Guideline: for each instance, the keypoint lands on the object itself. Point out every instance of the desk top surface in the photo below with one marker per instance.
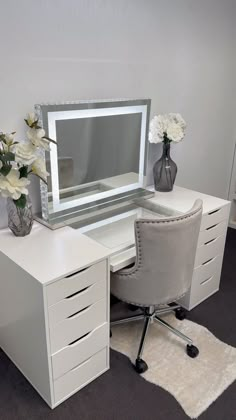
(49, 255)
(182, 199)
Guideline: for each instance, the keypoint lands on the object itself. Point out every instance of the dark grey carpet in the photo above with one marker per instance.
(121, 393)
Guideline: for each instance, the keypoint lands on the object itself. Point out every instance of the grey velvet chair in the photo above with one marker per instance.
(162, 273)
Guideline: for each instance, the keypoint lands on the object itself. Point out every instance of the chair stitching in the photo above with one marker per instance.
(139, 247)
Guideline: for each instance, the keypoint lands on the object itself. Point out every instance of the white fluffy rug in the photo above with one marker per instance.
(195, 383)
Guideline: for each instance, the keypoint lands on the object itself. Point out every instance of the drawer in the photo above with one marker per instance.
(75, 282)
(77, 325)
(80, 376)
(205, 271)
(214, 217)
(206, 289)
(212, 232)
(75, 354)
(209, 250)
(75, 303)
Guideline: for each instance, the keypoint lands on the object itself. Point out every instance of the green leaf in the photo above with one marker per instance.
(5, 169)
(8, 157)
(21, 202)
(23, 172)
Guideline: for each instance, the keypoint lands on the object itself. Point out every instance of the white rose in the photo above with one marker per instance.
(174, 132)
(169, 125)
(35, 135)
(39, 169)
(179, 120)
(25, 154)
(12, 185)
(156, 132)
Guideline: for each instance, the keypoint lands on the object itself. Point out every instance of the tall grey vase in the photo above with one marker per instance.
(20, 221)
(164, 171)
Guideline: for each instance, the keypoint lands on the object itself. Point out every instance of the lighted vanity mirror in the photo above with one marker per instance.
(100, 152)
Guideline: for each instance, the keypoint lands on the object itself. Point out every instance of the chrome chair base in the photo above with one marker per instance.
(150, 315)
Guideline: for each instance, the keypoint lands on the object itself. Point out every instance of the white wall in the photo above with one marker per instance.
(179, 53)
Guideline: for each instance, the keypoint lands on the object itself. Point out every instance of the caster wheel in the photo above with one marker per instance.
(110, 333)
(180, 313)
(192, 351)
(140, 366)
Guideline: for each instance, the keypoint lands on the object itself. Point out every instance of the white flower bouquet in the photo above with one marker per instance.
(167, 128)
(19, 160)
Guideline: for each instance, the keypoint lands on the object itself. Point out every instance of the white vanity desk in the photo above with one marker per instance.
(54, 293)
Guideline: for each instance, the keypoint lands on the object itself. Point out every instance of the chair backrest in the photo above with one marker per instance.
(164, 264)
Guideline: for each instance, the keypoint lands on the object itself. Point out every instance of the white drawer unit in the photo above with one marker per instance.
(75, 326)
(215, 216)
(76, 378)
(77, 302)
(210, 250)
(78, 317)
(205, 282)
(75, 282)
(209, 257)
(205, 271)
(206, 289)
(212, 232)
(56, 327)
(79, 351)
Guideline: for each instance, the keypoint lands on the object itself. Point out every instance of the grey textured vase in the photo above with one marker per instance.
(164, 171)
(20, 221)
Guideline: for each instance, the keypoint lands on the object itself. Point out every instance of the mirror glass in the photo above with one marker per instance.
(100, 151)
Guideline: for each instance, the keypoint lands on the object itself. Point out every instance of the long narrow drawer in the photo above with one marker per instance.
(74, 327)
(77, 302)
(204, 272)
(75, 354)
(214, 217)
(209, 250)
(80, 376)
(212, 232)
(75, 282)
(206, 289)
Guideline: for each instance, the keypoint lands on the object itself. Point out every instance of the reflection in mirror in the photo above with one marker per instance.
(100, 151)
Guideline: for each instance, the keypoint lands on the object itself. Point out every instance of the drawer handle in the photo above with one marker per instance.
(78, 293)
(77, 272)
(212, 240)
(84, 336)
(81, 364)
(205, 281)
(78, 339)
(77, 313)
(214, 211)
(208, 261)
(212, 227)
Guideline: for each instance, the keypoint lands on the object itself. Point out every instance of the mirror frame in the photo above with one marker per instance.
(87, 109)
